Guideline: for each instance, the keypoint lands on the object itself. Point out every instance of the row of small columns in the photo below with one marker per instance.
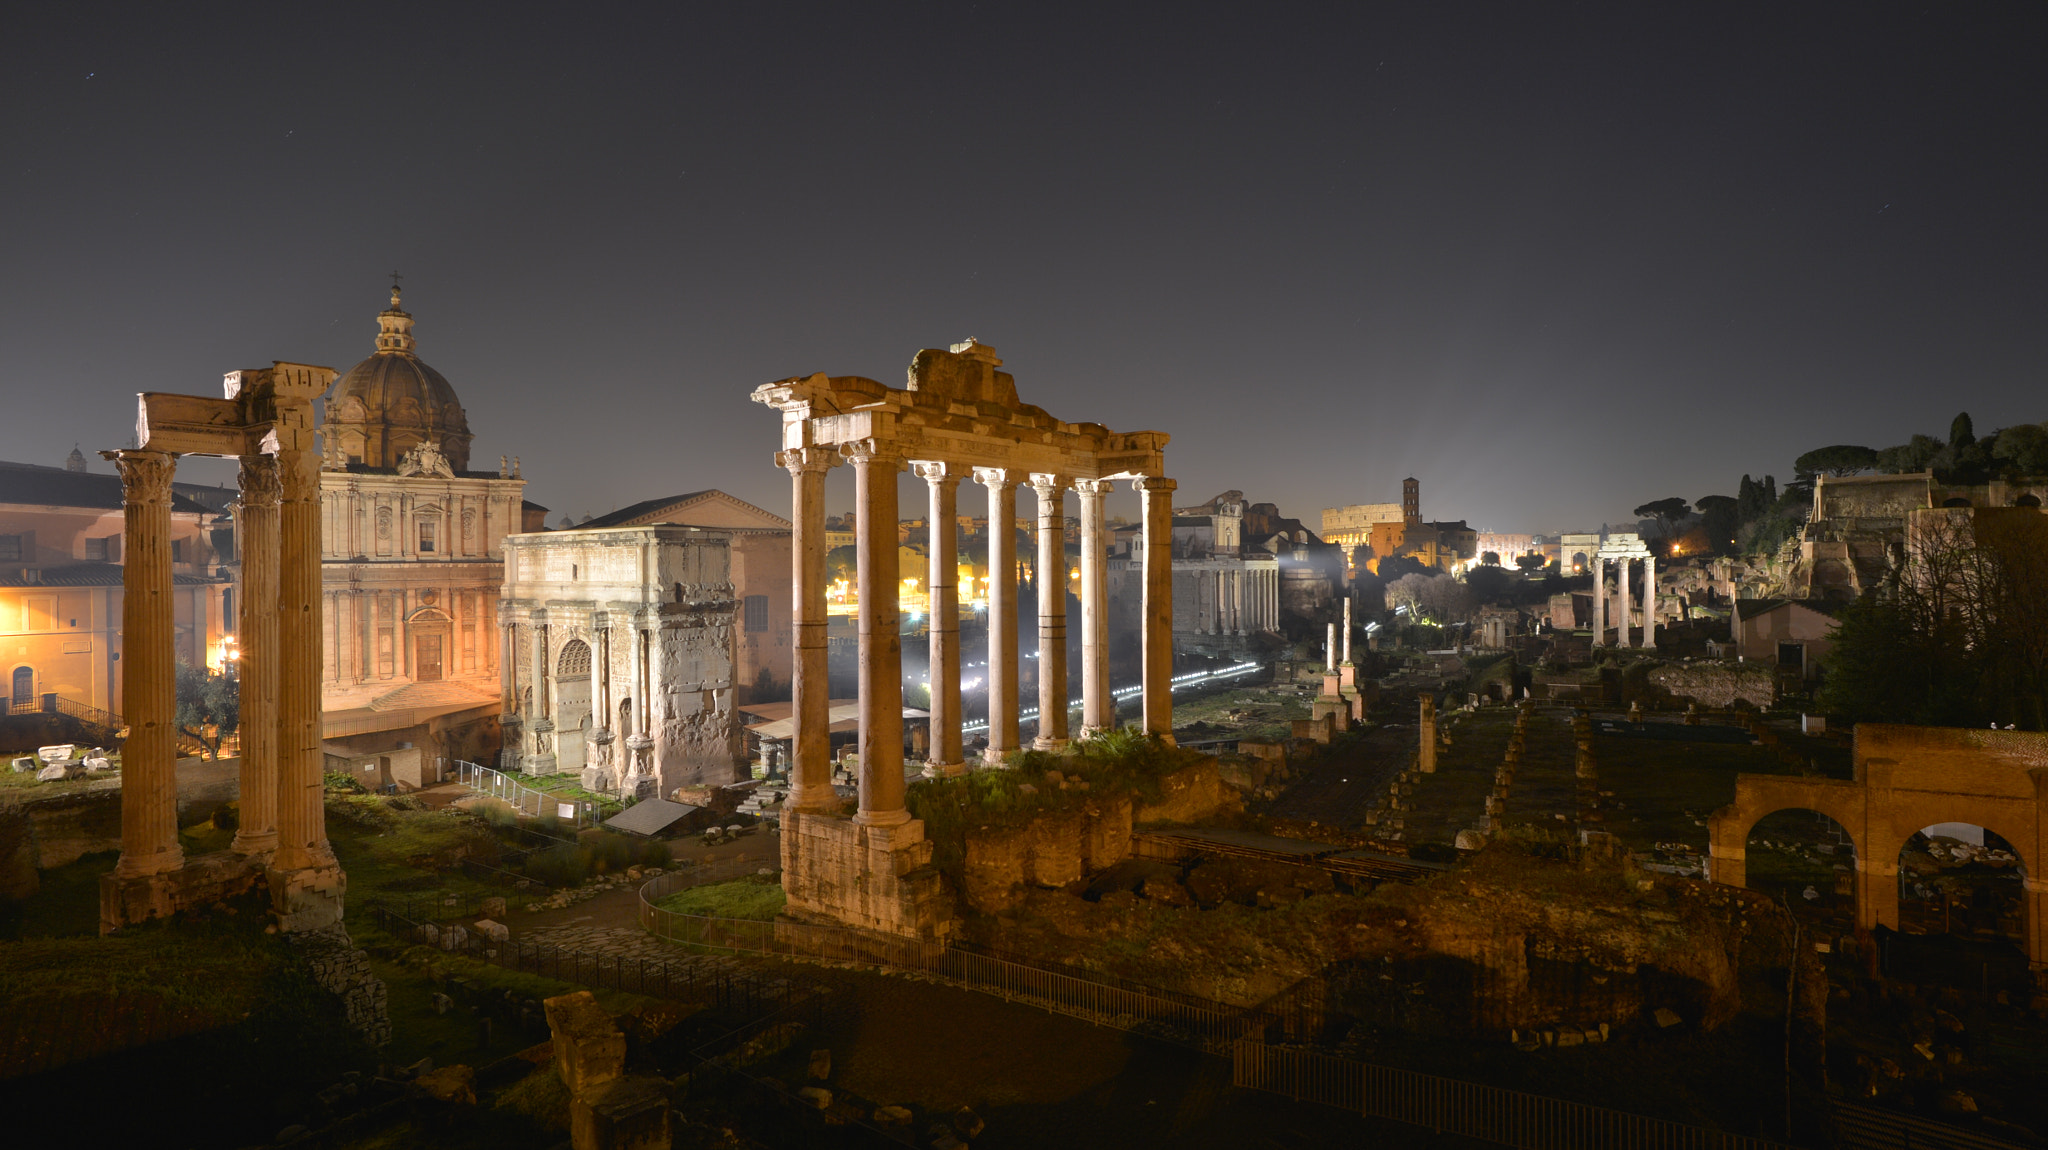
(881, 673)
(282, 816)
(1649, 602)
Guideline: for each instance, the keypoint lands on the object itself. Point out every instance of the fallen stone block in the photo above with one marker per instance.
(816, 1096)
(495, 931)
(455, 1083)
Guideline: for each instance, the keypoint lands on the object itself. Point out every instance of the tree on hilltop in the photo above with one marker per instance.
(1839, 460)
(1667, 513)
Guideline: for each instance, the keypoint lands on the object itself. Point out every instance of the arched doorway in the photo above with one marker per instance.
(1962, 907)
(23, 696)
(1807, 861)
(572, 706)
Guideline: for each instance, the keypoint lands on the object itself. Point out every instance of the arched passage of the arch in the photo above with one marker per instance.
(1931, 876)
(1806, 858)
(572, 705)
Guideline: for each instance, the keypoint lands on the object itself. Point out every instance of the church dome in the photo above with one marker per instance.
(392, 402)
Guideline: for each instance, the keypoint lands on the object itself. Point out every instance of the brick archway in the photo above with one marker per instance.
(1907, 778)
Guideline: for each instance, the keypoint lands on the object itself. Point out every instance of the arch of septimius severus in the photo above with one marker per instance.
(265, 420)
(958, 415)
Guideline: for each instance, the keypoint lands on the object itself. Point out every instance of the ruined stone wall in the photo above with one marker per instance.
(1716, 686)
(342, 970)
(1051, 851)
(1188, 795)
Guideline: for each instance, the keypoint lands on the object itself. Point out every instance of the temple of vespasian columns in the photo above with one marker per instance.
(266, 421)
(957, 415)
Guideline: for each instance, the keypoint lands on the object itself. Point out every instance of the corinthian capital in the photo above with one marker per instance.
(871, 452)
(145, 475)
(1094, 486)
(259, 480)
(1154, 483)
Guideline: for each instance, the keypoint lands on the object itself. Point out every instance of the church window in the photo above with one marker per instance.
(757, 614)
(177, 551)
(426, 538)
(10, 547)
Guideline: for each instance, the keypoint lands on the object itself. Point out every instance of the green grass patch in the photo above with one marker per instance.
(756, 897)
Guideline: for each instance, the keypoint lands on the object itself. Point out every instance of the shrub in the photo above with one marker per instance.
(560, 865)
(342, 782)
(497, 813)
(652, 852)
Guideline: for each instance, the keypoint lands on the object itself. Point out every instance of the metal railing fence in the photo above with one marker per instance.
(524, 799)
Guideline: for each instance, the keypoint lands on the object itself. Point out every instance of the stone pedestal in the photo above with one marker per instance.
(1331, 706)
(307, 897)
(872, 877)
(201, 881)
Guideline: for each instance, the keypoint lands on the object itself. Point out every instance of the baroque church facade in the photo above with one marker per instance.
(412, 558)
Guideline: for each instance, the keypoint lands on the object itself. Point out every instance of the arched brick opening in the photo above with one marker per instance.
(1792, 850)
(1907, 778)
(1909, 879)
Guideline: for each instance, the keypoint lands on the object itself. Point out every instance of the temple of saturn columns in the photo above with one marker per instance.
(1621, 549)
(266, 421)
(957, 416)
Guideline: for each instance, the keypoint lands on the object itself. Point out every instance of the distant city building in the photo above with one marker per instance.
(60, 584)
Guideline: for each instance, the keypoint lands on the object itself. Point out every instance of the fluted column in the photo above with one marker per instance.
(881, 639)
(942, 580)
(1621, 631)
(301, 817)
(1599, 601)
(256, 634)
(149, 670)
(1157, 493)
(1098, 705)
(810, 770)
(1052, 612)
(1002, 610)
(1650, 602)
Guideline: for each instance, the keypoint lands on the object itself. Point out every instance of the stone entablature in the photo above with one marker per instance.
(623, 670)
(1907, 779)
(958, 416)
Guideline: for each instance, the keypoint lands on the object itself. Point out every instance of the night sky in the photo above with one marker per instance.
(1554, 260)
